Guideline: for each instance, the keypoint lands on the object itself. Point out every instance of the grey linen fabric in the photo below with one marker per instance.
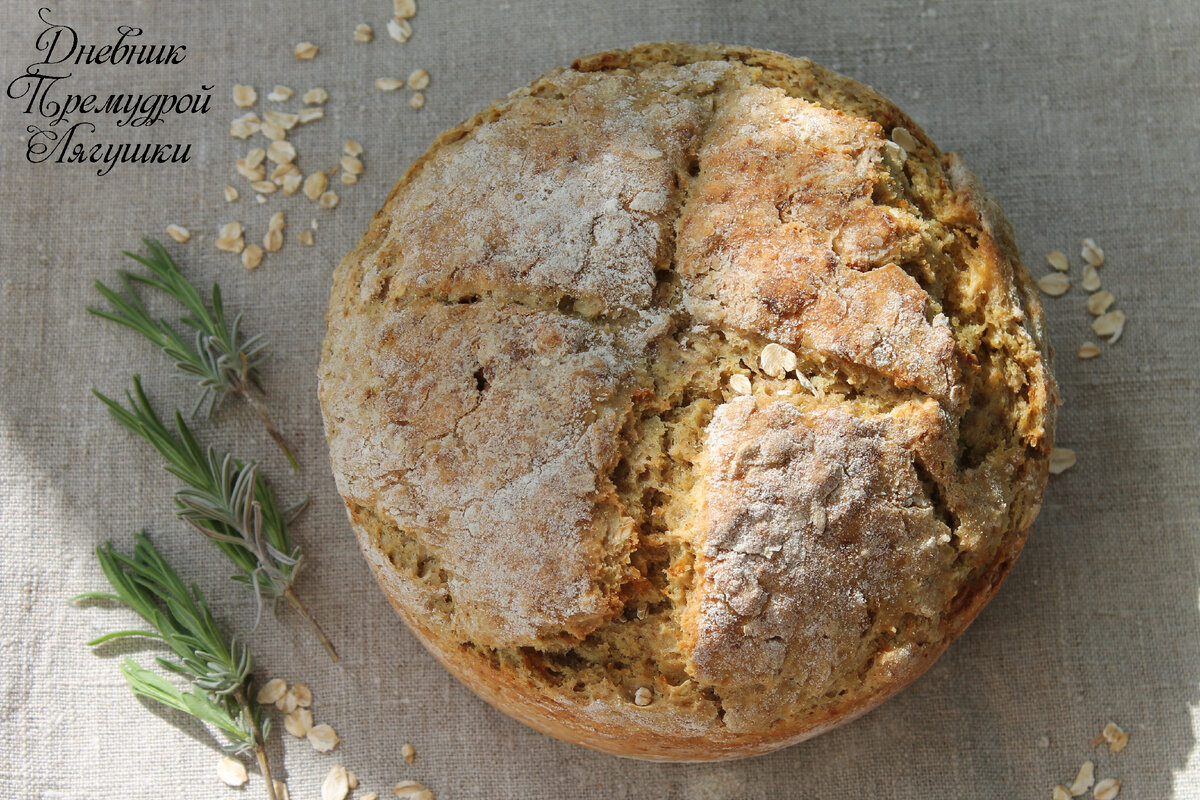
(1082, 117)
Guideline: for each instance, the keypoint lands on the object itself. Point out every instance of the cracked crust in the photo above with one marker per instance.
(526, 384)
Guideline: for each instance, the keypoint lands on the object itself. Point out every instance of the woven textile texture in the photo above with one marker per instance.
(1082, 117)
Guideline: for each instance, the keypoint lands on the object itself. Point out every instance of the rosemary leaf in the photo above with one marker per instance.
(227, 501)
(217, 669)
(180, 618)
(217, 359)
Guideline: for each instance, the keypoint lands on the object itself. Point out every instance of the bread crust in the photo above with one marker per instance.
(501, 366)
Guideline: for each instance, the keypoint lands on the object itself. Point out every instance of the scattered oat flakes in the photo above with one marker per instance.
(280, 94)
(255, 157)
(740, 384)
(352, 165)
(404, 9)
(1091, 279)
(282, 152)
(178, 233)
(643, 696)
(336, 784)
(244, 96)
(232, 772)
(260, 199)
(301, 691)
(399, 29)
(418, 79)
(1061, 460)
(352, 779)
(1091, 252)
(299, 722)
(352, 148)
(287, 703)
(902, 137)
(323, 738)
(272, 241)
(281, 171)
(1058, 260)
(407, 753)
(264, 187)
(306, 115)
(348, 177)
(328, 200)
(1061, 793)
(417, 101)
(363, 32)
(1099, 302)
(371, 796)
(252, 256)
(305, 51)
(388, 84)
(242, 128)
(284, 119)
(776, 360)
(248, 172)
(1088, 350)
(306, 238)
(1110, 324)
(1115, 736)
(315, 184)
(315, 97)
(229, 238)
(272, 131)
(291, 182)
(1107, 789)
(1084, 780)
(412, 790)
(1054, 284)
(304, 696)
(231, 194)
(897, 154)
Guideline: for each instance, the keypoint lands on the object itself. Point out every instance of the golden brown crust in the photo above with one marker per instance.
(569, 468)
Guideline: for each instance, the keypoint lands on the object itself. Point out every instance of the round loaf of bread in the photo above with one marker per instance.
(687, 402)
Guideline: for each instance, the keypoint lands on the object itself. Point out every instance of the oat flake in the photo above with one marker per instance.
(232, 772)
(1057, 259)
(336, 784)
(1054, 284)
(418, 79)
(1061, 460)
(1084, 780)
(252, 256)
(244, 96)
(323, 738)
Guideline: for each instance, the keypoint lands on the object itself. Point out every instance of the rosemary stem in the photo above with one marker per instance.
(294, 601)
(261, 752)
(247, 393)
(260, 749)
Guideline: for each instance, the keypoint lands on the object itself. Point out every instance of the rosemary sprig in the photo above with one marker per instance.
(219, 669)
(218, 360)
(227, 501)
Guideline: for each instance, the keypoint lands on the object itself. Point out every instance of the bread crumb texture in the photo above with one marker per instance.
(528, 388)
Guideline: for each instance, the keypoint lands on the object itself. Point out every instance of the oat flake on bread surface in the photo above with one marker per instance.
(529, 392)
